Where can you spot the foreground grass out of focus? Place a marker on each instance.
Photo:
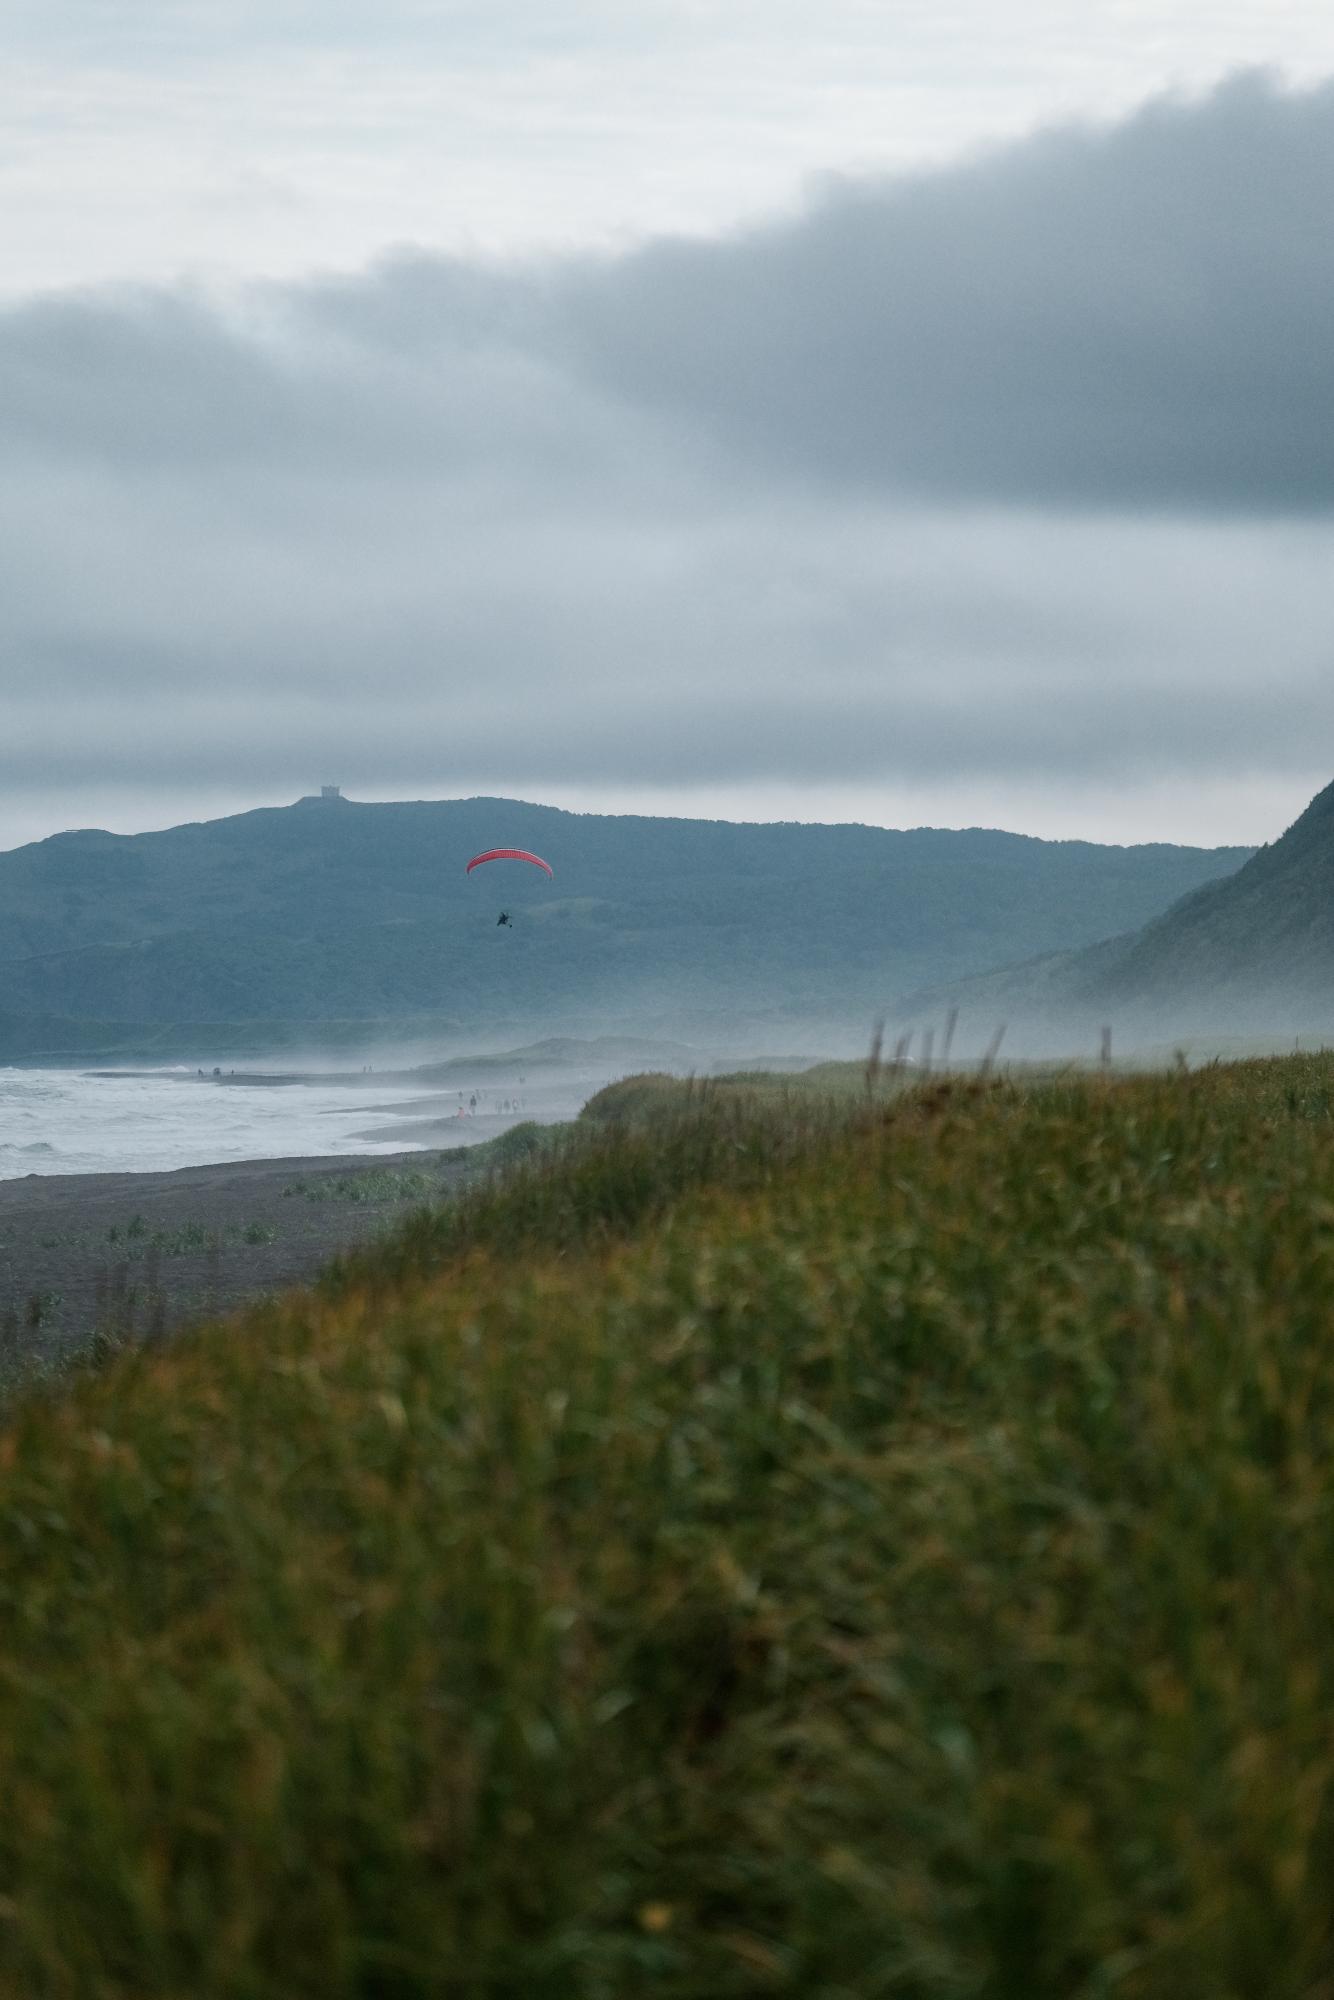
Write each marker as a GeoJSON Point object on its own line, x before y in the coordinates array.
{"type": "Point", "coordinates": [762, 1545]}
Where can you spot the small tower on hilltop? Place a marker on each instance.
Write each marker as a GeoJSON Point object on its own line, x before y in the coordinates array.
{"type": "Point", "coordinates": [330, 794]}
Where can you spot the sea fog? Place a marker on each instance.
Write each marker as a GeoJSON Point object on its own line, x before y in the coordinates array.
{"type": "Point", "coordinates": [64, 1121]}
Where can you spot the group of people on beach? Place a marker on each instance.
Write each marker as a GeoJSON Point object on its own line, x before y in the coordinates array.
{"type": "Point", "coordinates": [506, 1107]}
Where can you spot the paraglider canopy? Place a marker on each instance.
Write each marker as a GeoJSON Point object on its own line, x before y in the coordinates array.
{"type": "Point", "coordinates": [507, 854]}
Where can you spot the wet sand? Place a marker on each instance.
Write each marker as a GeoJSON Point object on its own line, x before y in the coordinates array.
{"type": "Point", "coordinates": [439, 1121]}
{"type": "Point", "coordinates": [131, 1255]}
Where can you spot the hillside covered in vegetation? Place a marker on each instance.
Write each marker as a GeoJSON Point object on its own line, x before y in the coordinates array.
{"type": "Point", "coordinates": [1264, 936]}
{"type": "Point", "coordinates": [774, 1542]}
{"type": "Point", "coordinates": [1249, 953]}
{"type": "Point", "coordinates": [333, 921]}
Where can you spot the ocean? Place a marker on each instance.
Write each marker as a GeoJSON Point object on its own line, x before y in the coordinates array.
{"type": "Point", "coordinates": [60, 1121]}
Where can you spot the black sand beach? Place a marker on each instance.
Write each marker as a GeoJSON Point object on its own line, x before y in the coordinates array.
{"type": "Point", "coordinates": [132, 1255]}
{"type": "Point", "coordinates": [129, 1255]}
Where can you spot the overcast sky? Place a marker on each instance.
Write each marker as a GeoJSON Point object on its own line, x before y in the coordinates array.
{"type": "Point", "coordinates": [925, 416]}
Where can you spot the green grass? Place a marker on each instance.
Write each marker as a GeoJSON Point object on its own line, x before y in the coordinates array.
{"type": "Point", "coordinates": [381, 1184]}
{"type": "Point", "coordinates": [188, 1239]}
{"type": "Point", "coordinates": [873, 1549]}
{"type": "Point", "coordinates": [828, 1084]}
{"type": "Point", "coordinates": [375, 1184]}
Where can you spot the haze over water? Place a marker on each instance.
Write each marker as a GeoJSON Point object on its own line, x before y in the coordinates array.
{"type": "Point", "coordinates": [151, 1121]}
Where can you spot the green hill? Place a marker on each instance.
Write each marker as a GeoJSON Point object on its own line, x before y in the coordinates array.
{"type": "Point", "coordinates": [758, 1549]}
{"type": "Point", "coordinates": [1261, 940]}
{"type": "Point", "coordinates": [1251, 953]}
{"type": "Point", "coordinates": [322, 915]}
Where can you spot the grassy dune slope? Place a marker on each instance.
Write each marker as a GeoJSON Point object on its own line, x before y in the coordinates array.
{"type": "Point", "coordinates": [884, 1551]}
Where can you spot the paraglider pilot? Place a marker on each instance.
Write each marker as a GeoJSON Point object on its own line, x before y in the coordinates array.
{"type": "Point", "coordinates": [508, 854]}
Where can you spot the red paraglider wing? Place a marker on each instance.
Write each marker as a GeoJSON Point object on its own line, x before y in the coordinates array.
{"type": "Point", "coordinates": [507, 854]}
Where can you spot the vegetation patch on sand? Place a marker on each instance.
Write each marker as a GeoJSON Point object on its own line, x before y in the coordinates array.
{"type": "Point", "coordinates": [877, 1546]}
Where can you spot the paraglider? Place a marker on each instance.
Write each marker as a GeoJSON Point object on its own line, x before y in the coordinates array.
{"type": "Point", "coordinates": [504, 920]}
{"type": "Point", "coordinates": [507, 854]}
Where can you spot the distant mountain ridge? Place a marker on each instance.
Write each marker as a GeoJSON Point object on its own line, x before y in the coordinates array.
{"type": "Point", "coordinates": [332, 913]}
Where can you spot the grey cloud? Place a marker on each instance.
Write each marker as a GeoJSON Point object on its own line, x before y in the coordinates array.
{"type": "Point", "coordinates": [1093, 319]}
{"type": "Point", "coordinates": [1134, 317]}
{"type": "Point", "coordinates": [145, 380]}
{"type": "Point", "coordinates": [1129, 317]}
{"type": "Point", "coordinates": [801, 732]}
{"type": "Point", "coordinates": [1017, 468]}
